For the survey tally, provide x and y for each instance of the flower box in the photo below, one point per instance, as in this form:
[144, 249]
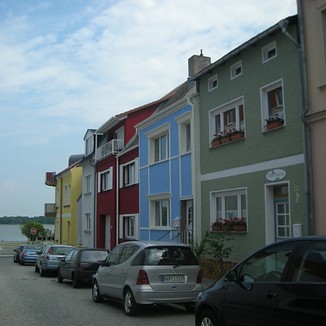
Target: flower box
[239, 228]
[237, 135]
[216, 142]
[225, 140]
[274, 124]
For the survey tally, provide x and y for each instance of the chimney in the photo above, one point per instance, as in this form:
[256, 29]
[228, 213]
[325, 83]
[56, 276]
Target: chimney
[197, 63]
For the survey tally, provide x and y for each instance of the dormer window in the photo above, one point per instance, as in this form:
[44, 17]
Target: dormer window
[269, 52]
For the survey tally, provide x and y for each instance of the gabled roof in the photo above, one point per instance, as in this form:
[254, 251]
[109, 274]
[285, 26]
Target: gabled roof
[281, 25]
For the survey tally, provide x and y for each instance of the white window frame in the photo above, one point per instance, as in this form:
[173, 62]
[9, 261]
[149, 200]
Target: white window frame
[89, 145]
[267, 49]
[158, 133]
[88, 222]
[133, 177]
[212, 82]
[128, 226]
[240, 211]
[218, 113]
[157, 220]
[234, 70]
[66, 195]
[185, 133]
[88, 184]
[108, 182]
[266, 110]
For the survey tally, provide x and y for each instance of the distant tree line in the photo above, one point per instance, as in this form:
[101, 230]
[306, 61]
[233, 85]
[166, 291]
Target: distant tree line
[24, 219]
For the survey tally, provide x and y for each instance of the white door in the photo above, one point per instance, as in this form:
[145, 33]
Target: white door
[189, 222]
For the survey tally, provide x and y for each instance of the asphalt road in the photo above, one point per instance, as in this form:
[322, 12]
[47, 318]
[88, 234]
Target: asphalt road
[26, 299]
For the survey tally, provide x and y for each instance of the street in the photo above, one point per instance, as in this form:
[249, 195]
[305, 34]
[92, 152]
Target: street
[26, 299]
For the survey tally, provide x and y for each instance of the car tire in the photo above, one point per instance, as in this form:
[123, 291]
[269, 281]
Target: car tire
[96, 293]
[42, 271]
[75, 281]
[59, 277]
[37, 270]
[207, 317]
[129, 303]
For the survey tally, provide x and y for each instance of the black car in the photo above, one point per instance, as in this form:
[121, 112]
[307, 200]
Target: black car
[80, 264]
[17, 251]
[281, 284]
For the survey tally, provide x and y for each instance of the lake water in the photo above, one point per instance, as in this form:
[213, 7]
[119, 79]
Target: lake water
[12, 232]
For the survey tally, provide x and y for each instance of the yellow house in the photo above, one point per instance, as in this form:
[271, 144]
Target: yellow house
[68, 188]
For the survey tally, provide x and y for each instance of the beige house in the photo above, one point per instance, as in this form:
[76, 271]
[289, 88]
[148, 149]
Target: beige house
[312, 22]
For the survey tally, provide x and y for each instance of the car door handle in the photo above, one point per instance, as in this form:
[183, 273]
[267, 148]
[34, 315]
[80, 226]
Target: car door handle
[270, 294]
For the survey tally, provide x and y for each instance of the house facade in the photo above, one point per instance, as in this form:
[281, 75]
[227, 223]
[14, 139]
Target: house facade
[312, 22]
[68, 187]
[251, 142]
[117, 175]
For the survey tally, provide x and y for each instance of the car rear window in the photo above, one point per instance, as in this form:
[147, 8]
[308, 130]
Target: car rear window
[59, 250]
[93, 256]
[165, 255]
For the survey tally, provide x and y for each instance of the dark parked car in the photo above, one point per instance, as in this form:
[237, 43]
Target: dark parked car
[17, 252]
[140, 272]
[282, 284]
[80, 264]
[28, 254]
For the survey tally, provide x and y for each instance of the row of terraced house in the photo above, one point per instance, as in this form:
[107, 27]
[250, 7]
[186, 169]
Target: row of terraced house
[239, 146]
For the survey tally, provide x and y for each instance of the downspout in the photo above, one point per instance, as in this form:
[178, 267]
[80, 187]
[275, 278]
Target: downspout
[117, 187]
[307, 131]
[61, 207]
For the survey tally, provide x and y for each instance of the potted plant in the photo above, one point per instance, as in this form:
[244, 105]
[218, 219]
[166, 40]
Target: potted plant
[217, 225]
[236, 134]
[239, 224]
[274, 121]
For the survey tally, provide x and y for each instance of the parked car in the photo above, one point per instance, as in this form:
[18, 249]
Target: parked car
[138, 272]
[17, 251]
[48, 259]
[28, 254]
[80, 264]
[282, 284]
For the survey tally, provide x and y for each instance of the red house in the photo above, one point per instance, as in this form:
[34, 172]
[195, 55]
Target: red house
[116, 159]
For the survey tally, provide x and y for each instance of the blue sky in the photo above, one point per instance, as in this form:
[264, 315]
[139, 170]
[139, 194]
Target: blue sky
[70, 65]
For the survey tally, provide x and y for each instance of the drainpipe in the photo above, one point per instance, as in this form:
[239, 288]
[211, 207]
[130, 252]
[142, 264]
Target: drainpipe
[307, 131]
[117, 187]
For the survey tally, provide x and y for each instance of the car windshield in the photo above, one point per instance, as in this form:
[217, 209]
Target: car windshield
[167, 255]
[93, 256]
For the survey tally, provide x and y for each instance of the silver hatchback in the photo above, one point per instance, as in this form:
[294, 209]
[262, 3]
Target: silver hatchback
[139, 273]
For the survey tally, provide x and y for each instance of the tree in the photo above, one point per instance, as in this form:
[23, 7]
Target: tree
[26, 230]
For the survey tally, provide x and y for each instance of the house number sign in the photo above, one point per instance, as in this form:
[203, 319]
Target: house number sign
[275, 175]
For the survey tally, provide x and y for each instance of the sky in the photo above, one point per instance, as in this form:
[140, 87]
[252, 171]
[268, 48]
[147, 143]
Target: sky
[70, 65]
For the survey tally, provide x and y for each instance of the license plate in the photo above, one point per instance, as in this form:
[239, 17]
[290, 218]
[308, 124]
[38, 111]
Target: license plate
[173, 279]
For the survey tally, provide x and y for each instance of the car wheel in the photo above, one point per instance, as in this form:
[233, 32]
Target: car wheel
[129, 303]
[59, 277]
[75, 281]
[42, 271]
[96, 294]
[37, 270]
[207, 318]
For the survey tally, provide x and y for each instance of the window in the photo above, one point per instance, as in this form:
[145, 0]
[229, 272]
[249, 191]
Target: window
[160, 212]
[272, 103]
[161, 148]
[185, 132]
[236, 70]
[227, 118]
[323, 42]
[129, 174]
[269, 52]
[88, 184]
[129, 226]
[105, 180]
[228, 206]
[89, 145]
[88, 222]
[267, 265]
[66, 195]
[212, 83]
